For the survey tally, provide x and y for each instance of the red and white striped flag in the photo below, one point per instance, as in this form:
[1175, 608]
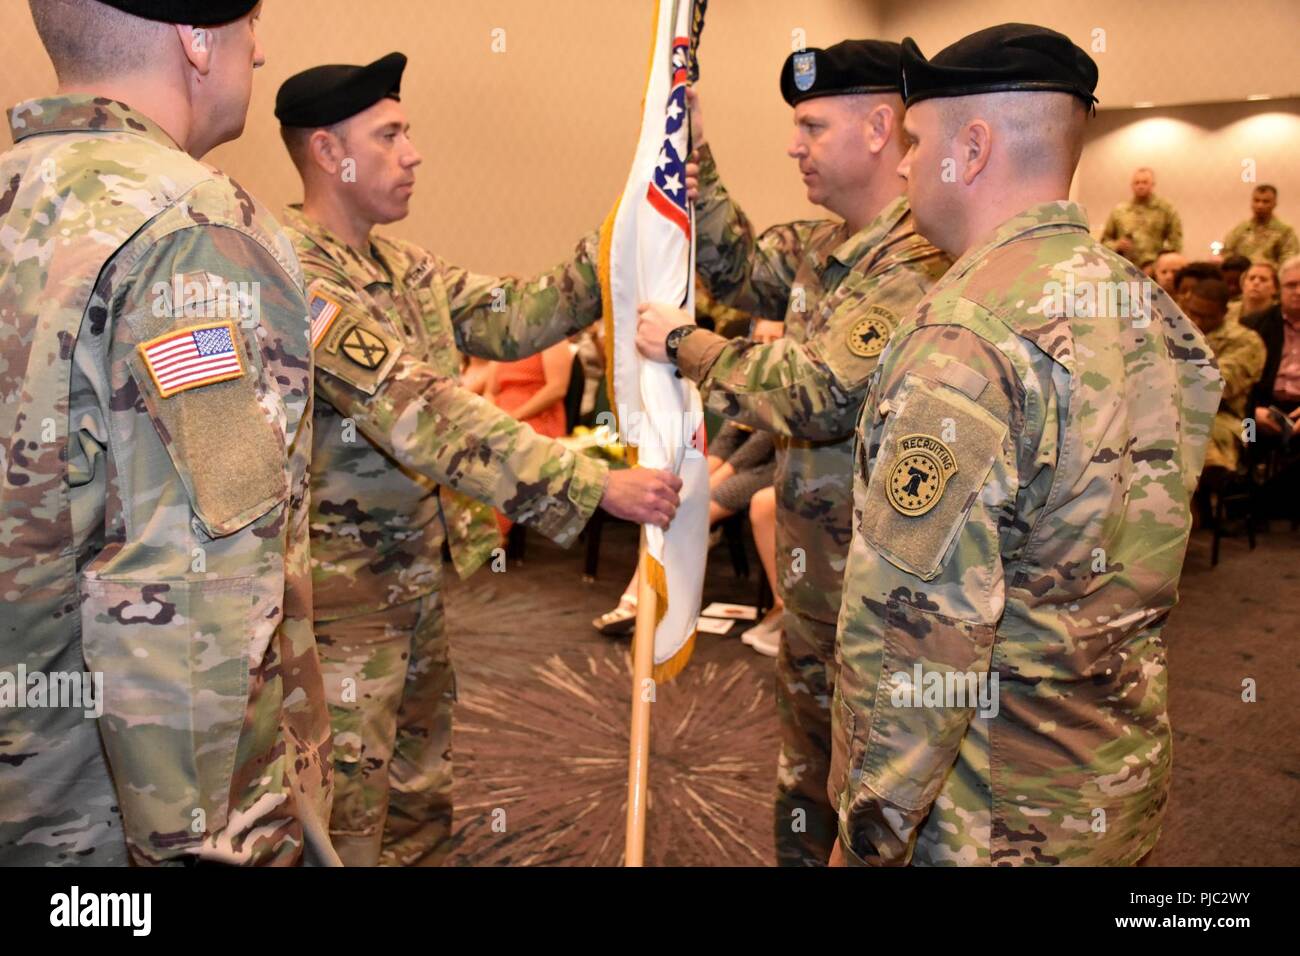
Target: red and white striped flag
[194, 356]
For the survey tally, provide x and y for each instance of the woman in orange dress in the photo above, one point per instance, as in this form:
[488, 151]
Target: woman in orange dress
[533, 390]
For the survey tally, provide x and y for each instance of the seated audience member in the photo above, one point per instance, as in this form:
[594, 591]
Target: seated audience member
[1232, 268]
[1190, 275]
[1149, 268]
[1275, 400]
[1166, 269]
[1258, 291]
[1240, 356]
[591, 354]
[1263, 237]
[532, 390]
[475, 373]
[741, 463]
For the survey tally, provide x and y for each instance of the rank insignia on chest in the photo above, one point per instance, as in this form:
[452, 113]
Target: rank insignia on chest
[920, 474]
[420, 272]
[363, 348]
[869, 336]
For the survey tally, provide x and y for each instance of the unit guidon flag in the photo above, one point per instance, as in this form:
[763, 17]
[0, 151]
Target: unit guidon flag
[647, 255]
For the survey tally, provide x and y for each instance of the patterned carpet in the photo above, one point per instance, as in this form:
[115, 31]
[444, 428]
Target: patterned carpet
[542, 722]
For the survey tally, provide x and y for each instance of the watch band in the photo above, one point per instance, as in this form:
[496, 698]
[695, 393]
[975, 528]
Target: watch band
[674, 340]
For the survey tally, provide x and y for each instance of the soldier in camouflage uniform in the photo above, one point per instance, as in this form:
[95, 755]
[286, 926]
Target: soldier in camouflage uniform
[1263, 237]
[1146, 225]
[401, 449]
[1021, 499]
[841, 288]
[155, 441]
[1239, 352]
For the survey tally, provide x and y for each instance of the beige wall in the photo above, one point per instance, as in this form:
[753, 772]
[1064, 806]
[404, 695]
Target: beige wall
[526, 149]
[1156, 51]
[1200, 155]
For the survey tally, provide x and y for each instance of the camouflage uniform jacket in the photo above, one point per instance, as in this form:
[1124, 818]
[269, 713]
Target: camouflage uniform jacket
[1021, 512]
[1153, 227]
[395, 434]
[840, 295]
[153, 524]
[1239, 352]
[1274, 242]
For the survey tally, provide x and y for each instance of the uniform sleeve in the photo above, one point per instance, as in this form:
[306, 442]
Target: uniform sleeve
[431, 424]
[1290, 245]
[810, 390]
[184, 603]
[923, 589]
[1110, 235]
[1232, 240]
[754, 276]
[1241, 366]
[506, 319]
[1173, 241]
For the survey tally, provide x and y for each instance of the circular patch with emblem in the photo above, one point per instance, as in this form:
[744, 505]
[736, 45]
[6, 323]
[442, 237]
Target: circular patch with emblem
[920, 474]
[364, 348]
[868, 338]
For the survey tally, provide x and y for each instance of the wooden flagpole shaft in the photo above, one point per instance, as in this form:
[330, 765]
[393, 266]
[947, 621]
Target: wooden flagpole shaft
[638, 764]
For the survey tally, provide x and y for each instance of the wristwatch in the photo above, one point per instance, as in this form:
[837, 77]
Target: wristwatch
[675, 339]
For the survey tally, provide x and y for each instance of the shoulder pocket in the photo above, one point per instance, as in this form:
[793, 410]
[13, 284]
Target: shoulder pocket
[935, 455]
[349, 343]
[224, 432]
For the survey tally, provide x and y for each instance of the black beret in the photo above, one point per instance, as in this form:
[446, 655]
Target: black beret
[198, 13]
[325, 95]
[1012, 56]
[850, 66]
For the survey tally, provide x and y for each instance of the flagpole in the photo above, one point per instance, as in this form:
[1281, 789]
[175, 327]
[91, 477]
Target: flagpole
[638, 764]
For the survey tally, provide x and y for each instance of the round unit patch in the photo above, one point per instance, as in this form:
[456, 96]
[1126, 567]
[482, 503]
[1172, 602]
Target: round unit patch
[364, 348]
[920, 474]
[868, 338]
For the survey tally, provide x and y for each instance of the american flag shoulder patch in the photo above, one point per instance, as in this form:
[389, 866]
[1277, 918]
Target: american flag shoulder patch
[194, 356]
[323, 311]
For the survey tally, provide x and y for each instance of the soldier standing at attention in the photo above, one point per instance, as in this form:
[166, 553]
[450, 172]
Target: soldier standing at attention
[841, 286]
[1141, 229]
[155, 435]
[1021, 499]
[396, 435]
[1263, 237]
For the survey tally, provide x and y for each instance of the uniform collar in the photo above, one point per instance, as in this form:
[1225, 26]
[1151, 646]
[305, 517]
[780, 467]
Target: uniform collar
[1046, 218]
[365, 269]
[849, 252]
[85, 113]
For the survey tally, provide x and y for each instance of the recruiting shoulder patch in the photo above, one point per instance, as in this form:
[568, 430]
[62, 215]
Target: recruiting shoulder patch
[920, 474]
[868, 337]
[192, 357]
[323, 311]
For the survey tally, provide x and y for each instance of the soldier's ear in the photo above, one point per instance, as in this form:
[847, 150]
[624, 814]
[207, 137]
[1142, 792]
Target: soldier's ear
[974, 148]
[196, 42]
[882, 122]
[326, 151]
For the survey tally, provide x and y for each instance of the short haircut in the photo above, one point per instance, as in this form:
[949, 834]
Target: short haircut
[88, 40]
[1272, 271]
[1198, 271]
[297, 138]
[1265, 188]
[1214, 290]
[1042, 131]
[1235, 264]
[1290, 265]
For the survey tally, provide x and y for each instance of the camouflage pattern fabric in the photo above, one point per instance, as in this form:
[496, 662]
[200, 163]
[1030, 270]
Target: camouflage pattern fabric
[392, 733]
[1021, 513]
[152, 529]
[1239, 352]
[1153, 227]
[1274, 242]
[840, 296]
[404, 458]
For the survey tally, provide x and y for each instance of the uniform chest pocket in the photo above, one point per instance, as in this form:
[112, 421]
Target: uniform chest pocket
[936, 452]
